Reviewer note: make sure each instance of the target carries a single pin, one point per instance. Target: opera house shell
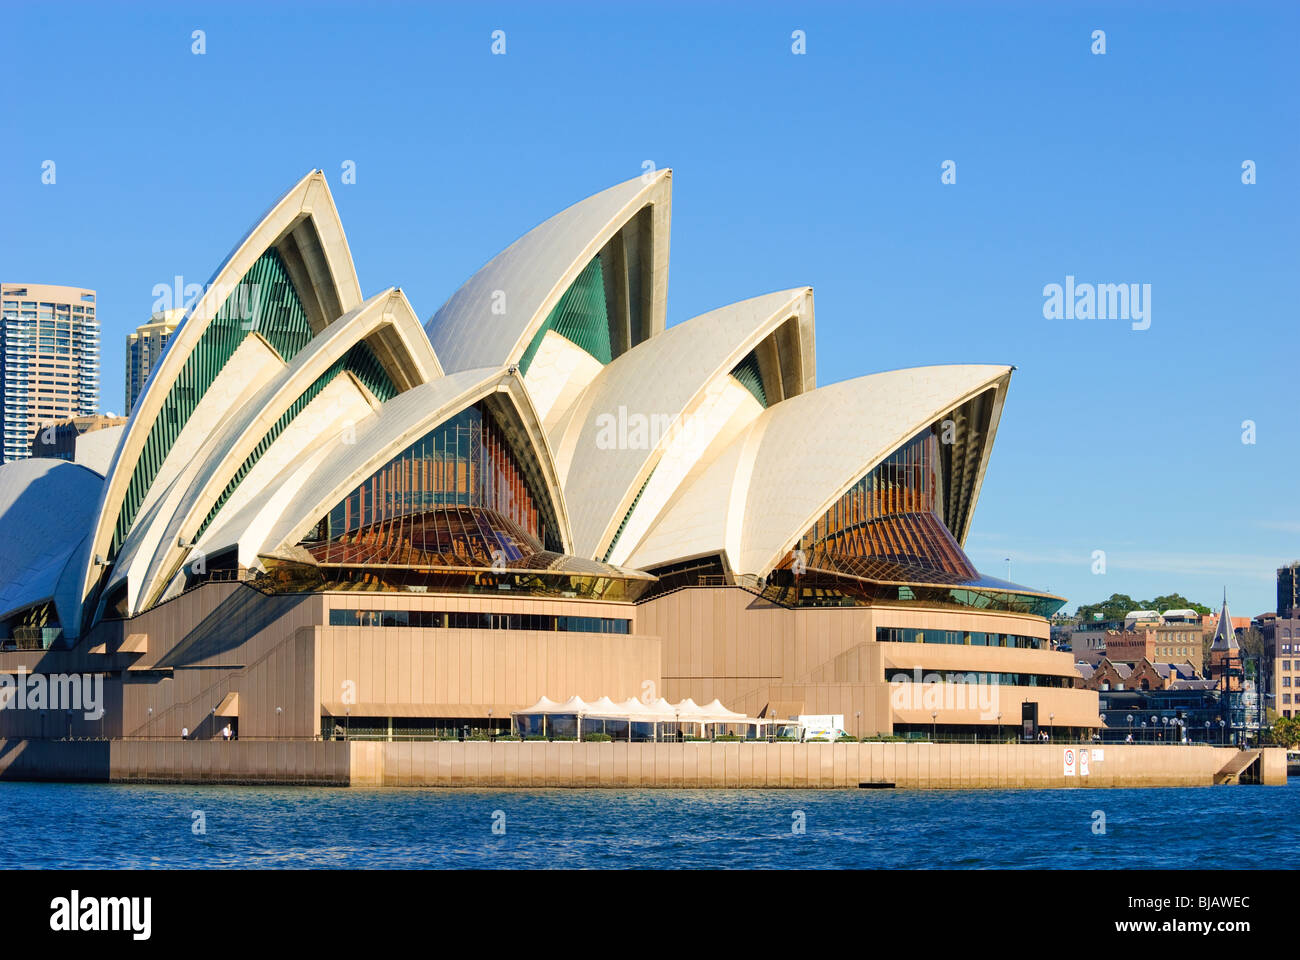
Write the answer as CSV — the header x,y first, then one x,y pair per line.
x,y
322,507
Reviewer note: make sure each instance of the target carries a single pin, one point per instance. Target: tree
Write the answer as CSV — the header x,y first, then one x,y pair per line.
x,y
1119,604
1112,608
1176,601
1286,731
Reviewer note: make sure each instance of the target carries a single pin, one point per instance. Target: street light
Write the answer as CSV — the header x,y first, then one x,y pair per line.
x,y
1051,722
933,718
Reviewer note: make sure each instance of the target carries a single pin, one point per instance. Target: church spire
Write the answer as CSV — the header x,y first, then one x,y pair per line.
x,y
1225,638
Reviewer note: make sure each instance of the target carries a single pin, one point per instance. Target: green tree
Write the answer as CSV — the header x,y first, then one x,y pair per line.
x,y
1118,604
1112,608
1176,601
1286,731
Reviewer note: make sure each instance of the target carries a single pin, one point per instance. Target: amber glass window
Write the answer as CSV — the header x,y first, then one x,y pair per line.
x,y
891,515
466,462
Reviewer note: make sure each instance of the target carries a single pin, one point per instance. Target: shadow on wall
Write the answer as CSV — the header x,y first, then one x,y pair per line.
x,y
235,620
54,760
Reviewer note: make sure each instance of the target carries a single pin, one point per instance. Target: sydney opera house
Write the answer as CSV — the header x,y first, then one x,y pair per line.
x,y
323,511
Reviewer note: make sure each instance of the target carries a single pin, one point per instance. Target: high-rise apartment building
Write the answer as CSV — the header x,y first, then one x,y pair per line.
x,y
49,359
1288,591
144,348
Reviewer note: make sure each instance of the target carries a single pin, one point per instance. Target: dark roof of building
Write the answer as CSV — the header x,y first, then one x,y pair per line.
x,y
1181,671
1125,670
1194,685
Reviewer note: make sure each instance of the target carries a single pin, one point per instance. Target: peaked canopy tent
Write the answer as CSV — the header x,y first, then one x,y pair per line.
x,y
634,719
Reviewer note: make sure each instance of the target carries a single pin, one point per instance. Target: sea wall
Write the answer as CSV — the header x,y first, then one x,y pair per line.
x,y
300,762
622,765
789,765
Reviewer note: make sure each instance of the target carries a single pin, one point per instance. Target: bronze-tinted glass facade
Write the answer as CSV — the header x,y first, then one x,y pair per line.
x,y
463,462
885,540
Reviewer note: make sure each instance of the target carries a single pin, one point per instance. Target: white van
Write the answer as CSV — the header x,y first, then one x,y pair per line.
x,y
822,726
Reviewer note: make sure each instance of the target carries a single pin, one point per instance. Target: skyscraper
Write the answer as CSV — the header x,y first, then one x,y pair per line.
x,y
144,347
1288,591
49,359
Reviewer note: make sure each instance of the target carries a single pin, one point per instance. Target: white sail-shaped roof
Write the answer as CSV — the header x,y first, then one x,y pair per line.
x,y
46,508
304,230
785,470
241,438
492,318
661,406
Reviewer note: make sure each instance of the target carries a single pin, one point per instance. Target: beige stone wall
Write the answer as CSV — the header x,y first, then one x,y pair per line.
x,y
280,652
465,673
218,639
729,765
541,764
725,642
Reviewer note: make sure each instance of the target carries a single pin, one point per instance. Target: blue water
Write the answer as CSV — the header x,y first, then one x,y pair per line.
x,y
107,825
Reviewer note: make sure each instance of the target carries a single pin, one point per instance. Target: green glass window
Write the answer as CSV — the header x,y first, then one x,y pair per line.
x,y
580,317
265,301
361,362
750,378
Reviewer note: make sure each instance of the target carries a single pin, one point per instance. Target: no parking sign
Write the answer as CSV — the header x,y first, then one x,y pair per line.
x,y
1069,761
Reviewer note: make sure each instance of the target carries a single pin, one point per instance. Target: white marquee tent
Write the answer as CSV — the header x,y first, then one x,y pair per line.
x,y
547,716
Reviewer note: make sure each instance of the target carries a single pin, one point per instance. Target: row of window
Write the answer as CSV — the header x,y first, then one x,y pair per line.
x,y
990,679
461,620
964,637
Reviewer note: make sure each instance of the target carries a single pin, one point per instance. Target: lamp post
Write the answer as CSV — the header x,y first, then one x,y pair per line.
x,y
1051,722
1222,732
279,723
1130,726
490,737
999,733
1207,731
1144,729
934,717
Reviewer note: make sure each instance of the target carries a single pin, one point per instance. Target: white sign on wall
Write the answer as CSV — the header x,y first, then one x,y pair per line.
x,y
1083,762
1099,755
1069,761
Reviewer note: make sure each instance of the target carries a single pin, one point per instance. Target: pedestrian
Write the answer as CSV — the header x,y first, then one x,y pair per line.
x,y
225,732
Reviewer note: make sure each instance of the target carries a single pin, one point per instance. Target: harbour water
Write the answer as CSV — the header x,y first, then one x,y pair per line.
x,y
46,826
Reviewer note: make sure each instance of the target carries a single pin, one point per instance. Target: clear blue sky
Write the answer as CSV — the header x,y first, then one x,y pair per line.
x,y
820,169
